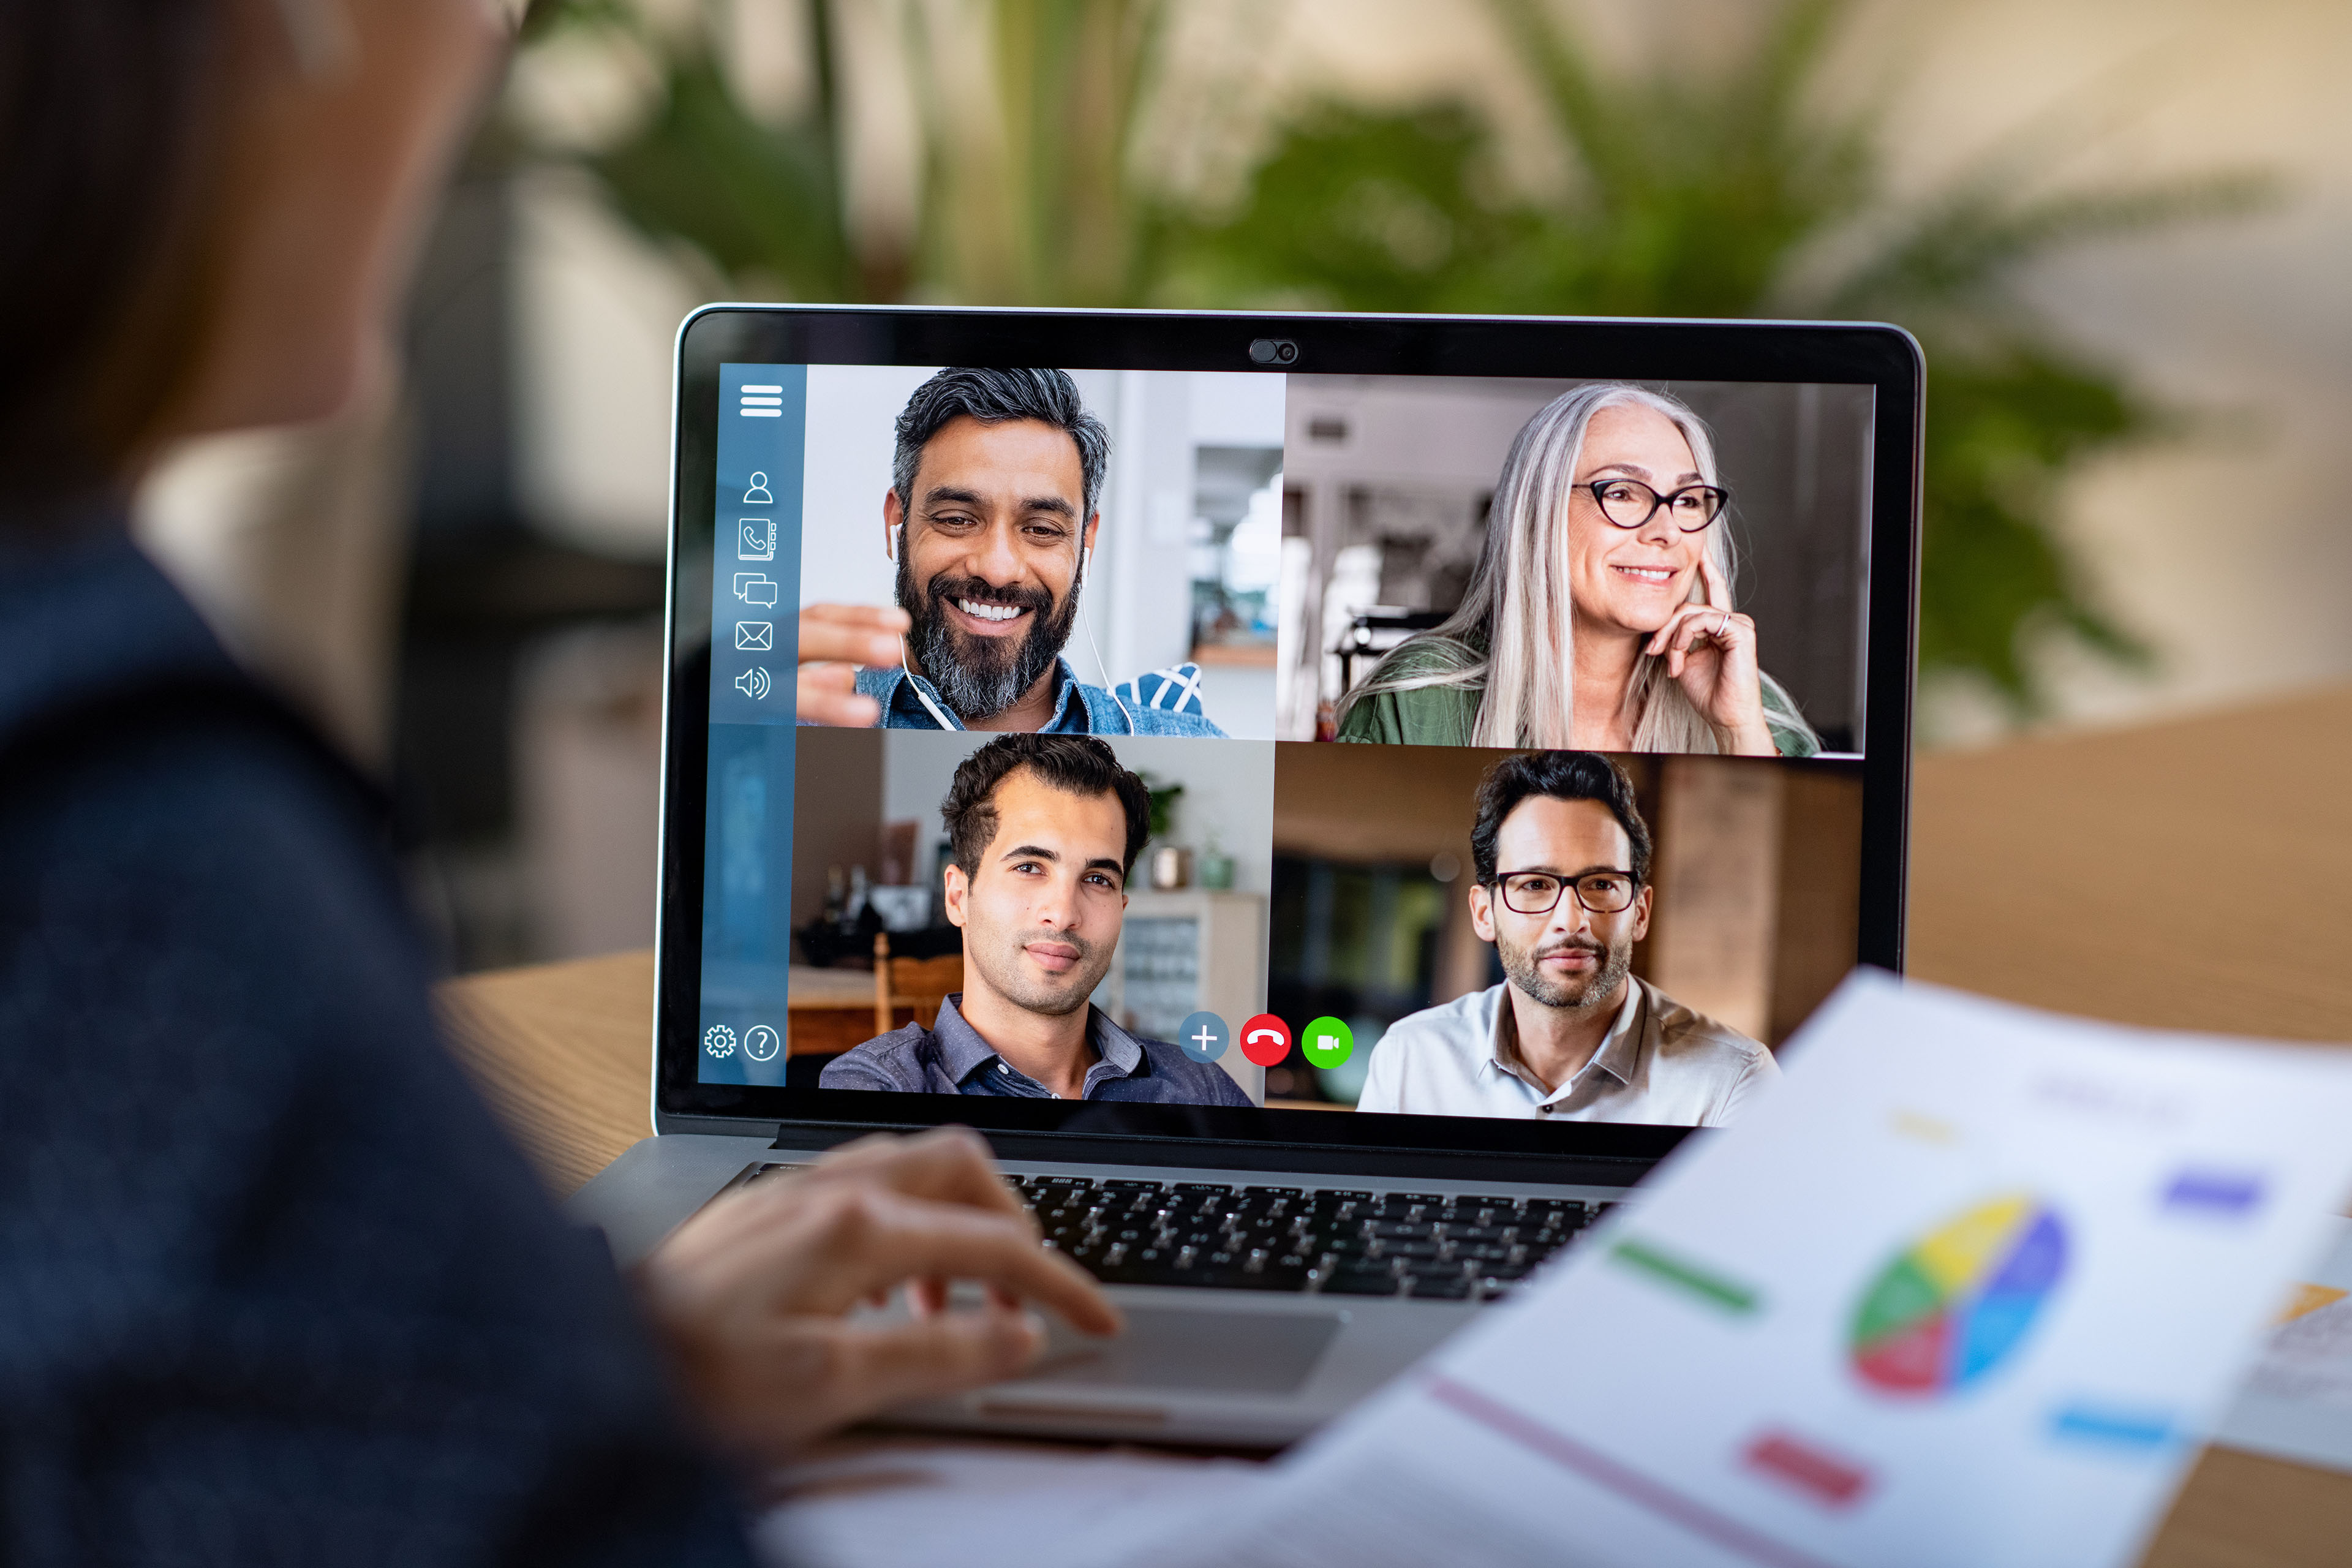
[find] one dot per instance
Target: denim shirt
(951, 1057)
(1078, 708)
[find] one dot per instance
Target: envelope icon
(756, 637)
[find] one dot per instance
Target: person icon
(758, 494)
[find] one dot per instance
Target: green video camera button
(1328, 1043)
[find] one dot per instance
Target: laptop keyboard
(1329, 1240)
(1333, 1241)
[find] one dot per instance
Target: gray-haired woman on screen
(1599, 617)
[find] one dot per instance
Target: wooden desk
(2193, 875)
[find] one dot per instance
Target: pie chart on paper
(1955, 1303)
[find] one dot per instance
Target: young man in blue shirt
(1043, 829)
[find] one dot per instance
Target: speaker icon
(754, 683)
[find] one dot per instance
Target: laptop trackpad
(1199, 1352)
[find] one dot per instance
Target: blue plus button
(1204, 1036)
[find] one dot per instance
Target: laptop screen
(1268, 740)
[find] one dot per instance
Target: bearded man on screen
(1563, 863)
(991, 519)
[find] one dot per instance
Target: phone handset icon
(1265, 1039)
(757, 541)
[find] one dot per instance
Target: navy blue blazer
(273, 1287)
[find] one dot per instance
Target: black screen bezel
(1885, 357)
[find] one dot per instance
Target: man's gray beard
(1520, 964)
(1047, 1001)
(974, 694)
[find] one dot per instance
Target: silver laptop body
(1287, 498)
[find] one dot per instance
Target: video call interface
(1493, 743)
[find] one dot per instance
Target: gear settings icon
(719, 1041)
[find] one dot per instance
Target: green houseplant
(1726, 190)
(1734, 192)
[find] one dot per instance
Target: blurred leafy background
(2140, 348)
(1736, 186)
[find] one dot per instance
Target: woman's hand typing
(751, 1297)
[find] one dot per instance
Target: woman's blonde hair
(1513, 638)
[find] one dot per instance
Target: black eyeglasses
(1537, 892)
(1630, 503)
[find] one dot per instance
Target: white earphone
(907, 655)
(1085, 564)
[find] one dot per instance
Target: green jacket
(1445, 715)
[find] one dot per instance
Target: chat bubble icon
(756, 588)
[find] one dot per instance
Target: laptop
(1312, 1139)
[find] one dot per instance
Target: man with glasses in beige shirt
(1562, 889)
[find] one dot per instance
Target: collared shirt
(1660, 1063)
(951, 1057)
(1078, 708)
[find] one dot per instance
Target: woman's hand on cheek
(1710, 653)
(751, 1297)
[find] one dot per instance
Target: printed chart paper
(1971, 1287)
(2296, 1402)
